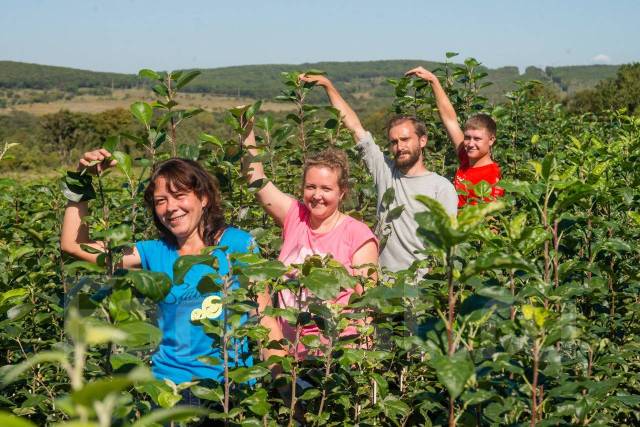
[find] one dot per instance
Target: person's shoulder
(152, 251)
(153, 245)
(237, 240)
(440, 180)
(356, 226)
(365, 138)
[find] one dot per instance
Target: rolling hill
(363, 81)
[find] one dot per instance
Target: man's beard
(408, 162)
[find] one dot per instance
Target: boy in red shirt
(473, 145)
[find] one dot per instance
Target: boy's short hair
(418, 125)
(481, 121)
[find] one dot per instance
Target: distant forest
(264, 82)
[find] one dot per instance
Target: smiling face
(179, 211)
(321, 192)
(477, 144)
(405, 145)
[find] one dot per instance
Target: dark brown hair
(334, 159)
(187, 175)
(418, 125)
(481, 121)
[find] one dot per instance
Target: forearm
(447, 113)
(76, 233)
(349, 117)
(252, 167)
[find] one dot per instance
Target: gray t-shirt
(403, 241)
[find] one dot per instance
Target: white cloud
(601, 58)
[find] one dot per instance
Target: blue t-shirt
(183, 341)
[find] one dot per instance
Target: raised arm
(275, 202)
(349, 117)
(445, 109)
(75, 232)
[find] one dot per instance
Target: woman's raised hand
(318, 79)
(96, 161)
(422, 73)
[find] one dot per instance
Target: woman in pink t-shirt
(315, 225)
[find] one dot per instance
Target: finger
(104, 152)
(91, 155)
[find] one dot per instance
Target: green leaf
(264, 270)
(151, 284)
(394, 408)
(101, 333)
(394, 214)
(243, 374)
(142, 112)
(211, 139)
(453, 372)
(450, 55)
(145, 73)
(17, 312)
(140, 334)
(168, 399)
(310, 393)
(205, 393)
(84, 266)
(252, 110)
(322, 283)
(178, 413)
(160, 89)
(185, 78)
(125, 164)
(183, 264)
(10, 373)
(9, 420)
(258, 402)
(125, 359)
(98, 390)
(388, 197)
(111, 143)
(19, 293)
(77, 187)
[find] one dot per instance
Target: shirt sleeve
(360, 234)
(374, 159)
(294, 216)
(448, 198)
(145, 250)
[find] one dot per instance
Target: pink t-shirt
(301, 241)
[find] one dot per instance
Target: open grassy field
(123, 98)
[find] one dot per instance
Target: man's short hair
(481, 121)
(418, 125)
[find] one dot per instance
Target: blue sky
(126, 35)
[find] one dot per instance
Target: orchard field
(528, 314)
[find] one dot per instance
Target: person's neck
(327, 224)
(484, 161)
(191, 245)
(418, 168)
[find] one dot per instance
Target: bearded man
(405, 173)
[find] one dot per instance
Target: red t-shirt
(489, 173)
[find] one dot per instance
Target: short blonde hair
(481, 121)
(334, 159)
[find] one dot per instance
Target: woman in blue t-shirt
(187, 210)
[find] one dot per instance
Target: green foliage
(619, 92)
(524, 312)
